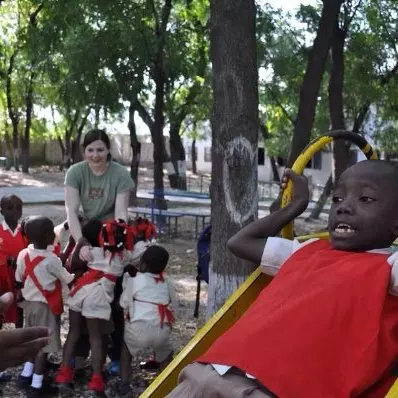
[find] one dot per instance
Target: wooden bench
(160, 214)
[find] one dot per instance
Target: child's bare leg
(72, 338)
(96, 344)
(19, 322)
(125, 364)
(97, 354)
(39, 370)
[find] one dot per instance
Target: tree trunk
(235, 130)
(336, 108)
(136, 152)
(76, 155)
(274, 168)
(28, 123)
(336, 111)
(62, 146)
(320, 204)
(313, 77)
(177, 157)
(193, 157)
(14, 117)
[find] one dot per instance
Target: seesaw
(243, 297)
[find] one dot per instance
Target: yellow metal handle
(307, 154)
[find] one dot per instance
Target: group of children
(30, 266)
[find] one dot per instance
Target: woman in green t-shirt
(101, 188)
(97, 184)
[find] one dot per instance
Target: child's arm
(248, 243)
(56, 268)
(20, 266)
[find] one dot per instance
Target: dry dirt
(182, 268)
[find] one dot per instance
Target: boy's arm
(20, 266)
(56, 268)
(249, 242)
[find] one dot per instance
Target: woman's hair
(155, 259)
(94, 135)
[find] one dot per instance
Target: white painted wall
(264, 171)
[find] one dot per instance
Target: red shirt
(325, 327)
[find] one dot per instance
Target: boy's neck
(12, 225)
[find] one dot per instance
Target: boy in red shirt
(12, 241)
(327, 325)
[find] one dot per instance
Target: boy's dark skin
(365, 198)
(363, 215)
(11, 209)
(40, 232)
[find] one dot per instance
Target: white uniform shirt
(144, 287)
(108, 263)
(48, 271)
(278, 250)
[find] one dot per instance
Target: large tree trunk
(313, 77)
(28, 123)
(234, 141)
(136, 152)
(178, 179)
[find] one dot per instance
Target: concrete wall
(264, 171)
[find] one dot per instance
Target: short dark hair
(7, 198)
(94, 135)
(38, 229)
(91, 231)
(155, 259)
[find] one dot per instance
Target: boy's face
(11, 209)
(363, 215)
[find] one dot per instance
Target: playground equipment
(244, 296)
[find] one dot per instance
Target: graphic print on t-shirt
(95, 193)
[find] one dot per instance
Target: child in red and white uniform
(326, 326)
(43, 278)
(91, 297)
(12, 241)
(147, 301)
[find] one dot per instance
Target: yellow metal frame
(244, 296)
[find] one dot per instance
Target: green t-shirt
(98, 193)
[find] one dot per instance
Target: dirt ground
(181, 269)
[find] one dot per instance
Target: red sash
(53, 297)
(325, 327)
(165, 312)
(90, 276)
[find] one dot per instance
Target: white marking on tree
(240, 162)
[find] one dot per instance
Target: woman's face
(96, 153)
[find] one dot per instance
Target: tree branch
(280, 105)
(145, 116)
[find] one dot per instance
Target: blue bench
(177, 192)
(152, 213)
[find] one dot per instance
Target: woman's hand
(301, 192)
(85, 254)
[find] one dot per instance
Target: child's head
(155, 259)
(364, 211)
(40, 231)
(11, 209)
(111, 236)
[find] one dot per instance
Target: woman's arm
(121, 205)
(72, 204)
